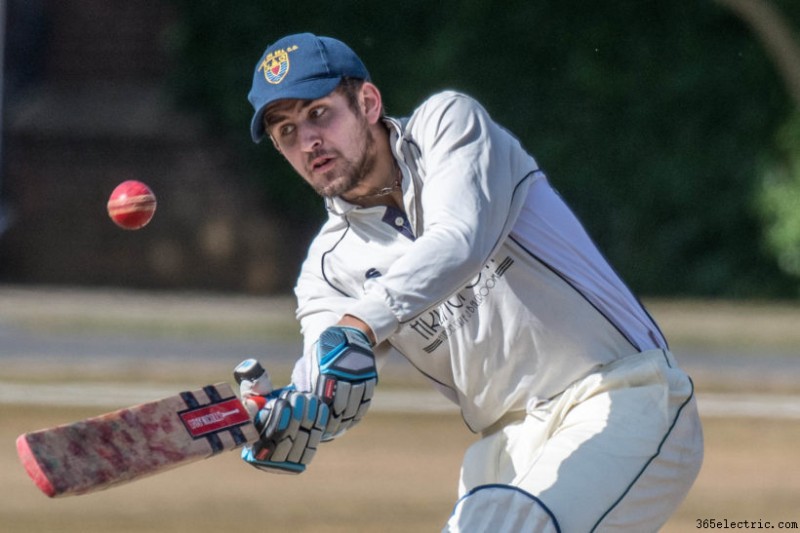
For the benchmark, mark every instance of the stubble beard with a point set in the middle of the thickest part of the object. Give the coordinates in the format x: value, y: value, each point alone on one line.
x: 340, y: 182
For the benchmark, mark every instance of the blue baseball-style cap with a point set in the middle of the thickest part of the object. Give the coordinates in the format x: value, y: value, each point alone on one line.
x: 301, y: 66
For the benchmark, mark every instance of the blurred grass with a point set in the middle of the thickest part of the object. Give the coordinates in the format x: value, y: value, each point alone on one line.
x: 177, y: 314
x: 54, y: 309
x: 398, y: 473
x: 753, y: 327
x: 728, y: 323
x: 749, y: 473
x: 394, y: 473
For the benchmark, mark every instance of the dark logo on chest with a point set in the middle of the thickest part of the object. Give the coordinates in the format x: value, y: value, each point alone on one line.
x: 435, y: 326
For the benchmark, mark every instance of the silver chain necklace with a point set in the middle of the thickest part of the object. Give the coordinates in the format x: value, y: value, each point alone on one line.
x: 386, y: 190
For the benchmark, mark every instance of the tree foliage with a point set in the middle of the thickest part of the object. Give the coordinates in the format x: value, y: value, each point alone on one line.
x: 780, y: 199
x: 650, y: 117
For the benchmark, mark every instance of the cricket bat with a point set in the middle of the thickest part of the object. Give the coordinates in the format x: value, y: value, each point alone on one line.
x: 134, y: 442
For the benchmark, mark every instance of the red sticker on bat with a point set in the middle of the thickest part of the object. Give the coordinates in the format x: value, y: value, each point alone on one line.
x: 215, y: 417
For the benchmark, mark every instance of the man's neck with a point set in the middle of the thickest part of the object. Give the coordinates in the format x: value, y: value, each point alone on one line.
x: 387, y: 176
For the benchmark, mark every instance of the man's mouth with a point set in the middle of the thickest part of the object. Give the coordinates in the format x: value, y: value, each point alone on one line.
x: 321, y: 164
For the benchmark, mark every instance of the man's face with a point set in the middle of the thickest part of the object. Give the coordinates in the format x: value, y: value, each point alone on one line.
x: 326, y: 141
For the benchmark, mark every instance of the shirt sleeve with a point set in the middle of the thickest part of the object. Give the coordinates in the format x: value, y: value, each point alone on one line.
x: 319, y: 307
x: 474, y: 178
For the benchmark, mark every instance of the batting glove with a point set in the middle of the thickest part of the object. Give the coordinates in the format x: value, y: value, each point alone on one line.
x: 347, y: 377
x: 291, y: 425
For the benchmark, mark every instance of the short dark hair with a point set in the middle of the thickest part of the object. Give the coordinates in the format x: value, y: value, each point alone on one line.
x: 349, y: 88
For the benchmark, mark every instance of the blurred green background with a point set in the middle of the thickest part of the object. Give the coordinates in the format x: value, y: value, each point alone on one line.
x: 670, y: 127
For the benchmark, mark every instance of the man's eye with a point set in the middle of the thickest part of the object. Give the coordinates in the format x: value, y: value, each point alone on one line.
x: 317, y: 112
x: 286, y: 129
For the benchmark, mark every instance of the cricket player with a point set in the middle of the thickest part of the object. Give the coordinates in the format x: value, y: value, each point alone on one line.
x: 446, y: 242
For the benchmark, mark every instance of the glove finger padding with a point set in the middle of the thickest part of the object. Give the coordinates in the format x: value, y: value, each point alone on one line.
x: 291, y: 424
x: 347, y: 377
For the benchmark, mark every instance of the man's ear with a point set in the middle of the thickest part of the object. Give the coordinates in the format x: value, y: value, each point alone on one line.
x: 371, y: 102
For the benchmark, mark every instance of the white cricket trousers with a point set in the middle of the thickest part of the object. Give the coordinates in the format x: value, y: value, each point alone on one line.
x: 616, y: 451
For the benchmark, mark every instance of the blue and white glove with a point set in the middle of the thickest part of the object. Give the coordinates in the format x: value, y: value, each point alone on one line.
x: 291, y: 425
x: 347, y: 377
x: 291, y: 422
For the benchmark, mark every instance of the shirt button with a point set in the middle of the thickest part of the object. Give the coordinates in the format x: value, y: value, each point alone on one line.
x: 398, y: 221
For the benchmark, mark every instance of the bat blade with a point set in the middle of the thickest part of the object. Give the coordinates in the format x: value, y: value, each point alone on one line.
x: 134, y: 442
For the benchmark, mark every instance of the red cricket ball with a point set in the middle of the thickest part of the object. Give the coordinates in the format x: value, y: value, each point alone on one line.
x: 131, y: 205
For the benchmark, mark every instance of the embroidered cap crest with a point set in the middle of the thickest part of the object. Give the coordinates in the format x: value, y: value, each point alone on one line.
x: 276, y: 65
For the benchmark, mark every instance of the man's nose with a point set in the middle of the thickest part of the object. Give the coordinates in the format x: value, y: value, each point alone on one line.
x: 310, y: 138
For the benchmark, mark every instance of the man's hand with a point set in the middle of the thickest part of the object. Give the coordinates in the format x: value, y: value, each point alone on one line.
x: 291, y: 425
x: 347, y: 377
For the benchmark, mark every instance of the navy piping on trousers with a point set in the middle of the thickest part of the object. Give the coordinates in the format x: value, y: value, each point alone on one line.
x: 641, y: 472
x: 512, y: 487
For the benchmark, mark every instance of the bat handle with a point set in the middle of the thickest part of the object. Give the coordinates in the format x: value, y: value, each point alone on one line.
x: 254, y: 384
x: 249, y: 369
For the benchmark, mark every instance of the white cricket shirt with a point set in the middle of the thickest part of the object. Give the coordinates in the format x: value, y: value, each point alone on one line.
x: 487, y: 283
